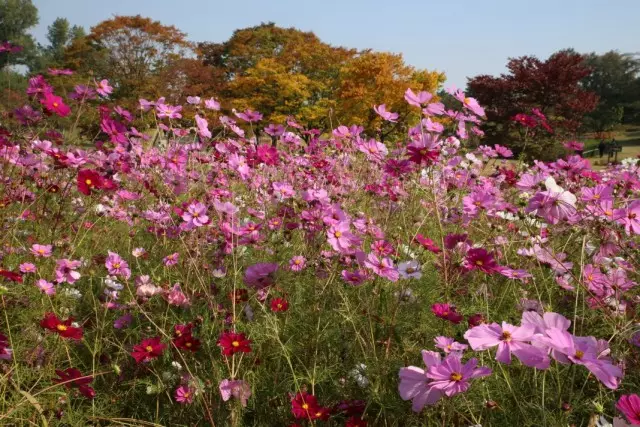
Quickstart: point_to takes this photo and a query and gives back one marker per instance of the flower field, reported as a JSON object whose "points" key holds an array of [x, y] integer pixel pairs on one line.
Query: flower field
{"points": [[216, 269]]}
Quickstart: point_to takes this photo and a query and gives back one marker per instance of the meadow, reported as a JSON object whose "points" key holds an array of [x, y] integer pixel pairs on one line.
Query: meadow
{"points": [[207, 276]]}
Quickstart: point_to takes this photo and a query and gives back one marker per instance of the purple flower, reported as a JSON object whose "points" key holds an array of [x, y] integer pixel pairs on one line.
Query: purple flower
{"points": [[260, 275], [452, 377], [237, 388]]}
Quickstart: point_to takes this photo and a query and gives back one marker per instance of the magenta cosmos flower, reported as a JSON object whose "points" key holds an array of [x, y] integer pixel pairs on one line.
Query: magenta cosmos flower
{"points": [[117, 266], [383, 267], [184, 394], [340, 238], [381, 110], [196, 215], [260, 275], [452, 377], [629, 405], [41, 250]]}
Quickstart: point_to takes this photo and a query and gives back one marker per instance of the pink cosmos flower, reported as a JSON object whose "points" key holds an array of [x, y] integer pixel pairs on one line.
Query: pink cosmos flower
{"points": [[27, 267], [46, 287], [283, 190], [555, 204], [354, 278], [469, 103], [203, 127], [340, 238], [449, 345], [417, 100], [43, 251], [171, 260], [176, 297], [211, 104], [585, 351], [184, 394], [66, 271], [452, 377], [416, 386], [117, 266], [193, 100], [509, 339], [381, 110], [168, 111], [480, 259], [239, 389], [382, 267], [196, 215], [249, 116], [629, 217], [103, 88], [297, 263]]}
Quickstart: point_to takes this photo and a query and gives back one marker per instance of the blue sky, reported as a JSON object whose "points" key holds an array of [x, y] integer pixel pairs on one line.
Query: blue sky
{"points": [[460, 37]]}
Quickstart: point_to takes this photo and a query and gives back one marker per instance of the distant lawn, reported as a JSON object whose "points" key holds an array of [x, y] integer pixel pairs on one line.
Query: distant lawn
{"points": [[627, 137]]}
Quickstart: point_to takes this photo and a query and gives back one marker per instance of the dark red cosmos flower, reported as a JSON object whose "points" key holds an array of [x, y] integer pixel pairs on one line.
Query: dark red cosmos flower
{"points": [[476, 320], [422, 155], [61, 327], [187, 342], [427, 243], [480, 259], [303, 405], [89, 180], [72, 377], [279, 304], [446, 312], [181, 330], [148, 349], [232, 343], [11, 275]]}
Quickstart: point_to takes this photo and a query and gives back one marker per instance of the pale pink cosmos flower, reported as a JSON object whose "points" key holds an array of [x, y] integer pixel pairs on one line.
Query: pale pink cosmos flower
{"points": [[176, 297], [417, 100], [46, 287], [555, 204], [138, 252], [449, 345], [381, 110], [203, 127], [283, 190], [382, 267], [416, 386], [239, 389], [41, 250], [27, 267], [170, 260], [509, 339], [212, 104], [196, 215], [297, 263], [117, 266], [629, 217], [193, 100], [104, 88], [340, 237]]}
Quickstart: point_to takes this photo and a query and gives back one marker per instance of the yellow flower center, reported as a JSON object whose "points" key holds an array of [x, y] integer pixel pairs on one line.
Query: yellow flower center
{"points": [[88, 182], [506, 336], [61, 327], [235, 344], [305, 406], [479, 262], [55, 104], [456, 376], [579, 354], [188, 345], [338, 234], [116, 265], [297, 262], [148, 349]]}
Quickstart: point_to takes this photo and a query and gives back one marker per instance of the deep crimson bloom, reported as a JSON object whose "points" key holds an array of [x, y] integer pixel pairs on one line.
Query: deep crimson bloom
{"points": [[475, 320], [480, 259], [54, 104], [232, 343], [148, 349], [422, 155], [11, 275], [279, 304], [428, 244], [72, 377], [446, 312], [180, 330], [304, 405], [187, 342], [355, 422], [61, 327], [89, 180]]}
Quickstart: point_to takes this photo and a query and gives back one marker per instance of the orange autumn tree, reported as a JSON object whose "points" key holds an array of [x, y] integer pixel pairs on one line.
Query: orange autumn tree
{"points": [[132, 52], [374, 78]]}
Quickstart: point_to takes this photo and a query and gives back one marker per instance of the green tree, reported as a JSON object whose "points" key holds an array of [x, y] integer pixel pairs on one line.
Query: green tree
{"points": [[16, 17], [614, 78]]}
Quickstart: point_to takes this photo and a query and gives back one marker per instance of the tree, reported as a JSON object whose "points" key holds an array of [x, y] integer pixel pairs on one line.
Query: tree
{"points": [[552, 86], [614, 78], [60, 34], [296, 62], [130, 51], [16, 17], [374, 78]]}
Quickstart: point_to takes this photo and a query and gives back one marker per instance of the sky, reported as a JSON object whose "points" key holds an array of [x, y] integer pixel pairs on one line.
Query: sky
{"points": [[462, 38]]}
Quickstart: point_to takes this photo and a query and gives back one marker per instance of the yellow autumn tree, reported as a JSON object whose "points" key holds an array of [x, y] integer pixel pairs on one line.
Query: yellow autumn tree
{"points": [[374, 78]]}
